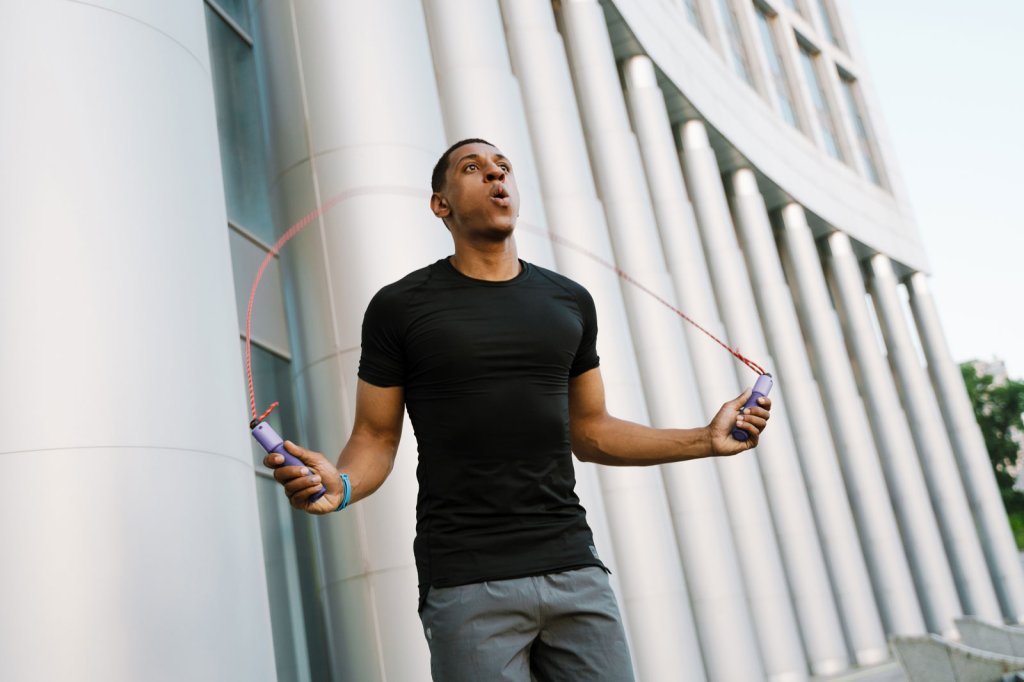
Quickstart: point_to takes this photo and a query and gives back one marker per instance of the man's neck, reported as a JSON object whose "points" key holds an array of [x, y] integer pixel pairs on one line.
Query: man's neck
{"points": [[494, 263]]}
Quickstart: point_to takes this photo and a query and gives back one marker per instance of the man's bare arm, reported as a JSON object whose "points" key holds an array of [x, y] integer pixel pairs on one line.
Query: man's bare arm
{"points": [[367, 457], [599, 437]]}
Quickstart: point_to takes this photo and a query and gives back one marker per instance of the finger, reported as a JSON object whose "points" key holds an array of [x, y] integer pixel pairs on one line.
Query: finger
{"points": [[750, 424], [753, 420], [756, 411], [302, 497], [751, 441], [303, 455], [295, 486], [765, 402], [284, 475], [741, 400], [273, 460]]}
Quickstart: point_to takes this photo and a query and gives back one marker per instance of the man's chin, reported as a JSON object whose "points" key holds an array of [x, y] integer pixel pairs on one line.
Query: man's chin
{"points": [[499, 231]]}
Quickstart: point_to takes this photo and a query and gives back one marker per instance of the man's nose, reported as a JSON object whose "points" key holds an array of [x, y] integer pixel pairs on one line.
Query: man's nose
{"points": [[495, 172]]}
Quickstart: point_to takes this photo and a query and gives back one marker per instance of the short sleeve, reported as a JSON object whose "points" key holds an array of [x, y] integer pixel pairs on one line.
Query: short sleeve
{"points": [[586, 357], [382, 362]]}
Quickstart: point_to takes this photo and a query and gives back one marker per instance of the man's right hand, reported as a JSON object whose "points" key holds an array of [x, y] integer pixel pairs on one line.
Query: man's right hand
{"points": [[302, 482]]}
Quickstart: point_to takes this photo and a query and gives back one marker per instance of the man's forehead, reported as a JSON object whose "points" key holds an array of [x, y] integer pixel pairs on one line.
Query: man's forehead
{"points": [[476, 150]]}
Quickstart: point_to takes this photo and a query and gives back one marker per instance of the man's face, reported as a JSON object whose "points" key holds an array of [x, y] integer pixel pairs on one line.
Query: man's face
{"points": [[480, 197]]}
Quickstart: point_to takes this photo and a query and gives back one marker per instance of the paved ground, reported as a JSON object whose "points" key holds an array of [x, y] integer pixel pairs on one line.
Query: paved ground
{"points": [[887, 672]]}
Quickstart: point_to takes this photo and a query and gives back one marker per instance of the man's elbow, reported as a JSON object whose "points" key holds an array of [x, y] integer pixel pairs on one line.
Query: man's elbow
{"points": [[582, 455], [584, 447]]}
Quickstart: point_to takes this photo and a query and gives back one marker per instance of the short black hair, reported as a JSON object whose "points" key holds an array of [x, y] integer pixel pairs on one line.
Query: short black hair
{"points": [[441, 167]]}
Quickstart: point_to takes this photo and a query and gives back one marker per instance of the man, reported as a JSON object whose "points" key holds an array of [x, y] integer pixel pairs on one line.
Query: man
{"points": [[496, 361]]}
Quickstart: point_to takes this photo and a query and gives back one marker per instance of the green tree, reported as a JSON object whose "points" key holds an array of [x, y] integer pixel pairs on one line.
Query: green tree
{"points": [[999, 409]]}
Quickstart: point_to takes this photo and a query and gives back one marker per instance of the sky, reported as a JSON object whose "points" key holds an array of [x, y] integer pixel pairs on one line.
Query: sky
{"points": [[949, 77]]}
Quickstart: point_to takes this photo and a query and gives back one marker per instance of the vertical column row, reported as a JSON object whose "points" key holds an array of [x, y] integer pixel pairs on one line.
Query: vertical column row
{"points": [[921, 538], [836, 528], [949, 503], [979, 482], [862, 472], [706, 541], [736, 307]]}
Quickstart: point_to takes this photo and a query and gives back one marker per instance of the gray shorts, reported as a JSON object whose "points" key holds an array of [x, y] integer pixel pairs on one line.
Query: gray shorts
{"points": [[547, 628]]}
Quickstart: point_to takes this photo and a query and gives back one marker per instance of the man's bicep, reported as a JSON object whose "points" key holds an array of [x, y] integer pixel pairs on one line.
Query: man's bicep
{"points": [[379, 411], [586, 396]]}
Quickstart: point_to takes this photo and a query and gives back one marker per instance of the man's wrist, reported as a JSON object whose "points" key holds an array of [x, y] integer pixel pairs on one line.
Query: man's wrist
{"points": [[346, 495], [708, 440]]}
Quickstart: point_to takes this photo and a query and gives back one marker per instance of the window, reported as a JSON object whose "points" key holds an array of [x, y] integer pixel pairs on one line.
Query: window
{"points": [[820, 100], [735, 36], [235, 10], [693, 14], [783, 88], [827, 24], [239, 123], [860, 125]]}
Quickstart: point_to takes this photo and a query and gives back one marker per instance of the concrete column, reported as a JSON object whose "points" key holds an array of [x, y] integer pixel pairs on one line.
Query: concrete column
{"points": [[836, 529], [921, 538], [949, 502], [376, 150], [128, 506], [862, 472], [480, 98], [702, 526], [975, 469], [744, 486], [654, 589], [812, 597]]}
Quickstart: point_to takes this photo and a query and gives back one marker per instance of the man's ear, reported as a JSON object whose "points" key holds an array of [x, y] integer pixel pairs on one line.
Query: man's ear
{"points": [[439, 205]]}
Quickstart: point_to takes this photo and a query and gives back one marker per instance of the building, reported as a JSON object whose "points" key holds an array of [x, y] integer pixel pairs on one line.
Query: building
{"points": [[729, 154]]}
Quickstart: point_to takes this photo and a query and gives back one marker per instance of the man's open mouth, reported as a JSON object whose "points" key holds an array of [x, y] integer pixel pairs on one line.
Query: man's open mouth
{"points": [[499, 195]]}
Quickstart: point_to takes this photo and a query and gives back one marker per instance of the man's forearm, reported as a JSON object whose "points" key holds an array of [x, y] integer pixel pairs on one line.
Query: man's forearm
{"points": [[616, 442], [367, 461]]}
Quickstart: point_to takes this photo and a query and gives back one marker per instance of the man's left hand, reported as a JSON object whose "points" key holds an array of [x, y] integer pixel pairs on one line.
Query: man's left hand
{"points": [[732, 415]]}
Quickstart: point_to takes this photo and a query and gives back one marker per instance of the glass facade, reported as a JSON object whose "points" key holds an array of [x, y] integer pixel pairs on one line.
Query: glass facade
{"points": [[289, 540], [289, 537], [735, 36], [864, 142], [783, 87], [820, 100], [239, 121]]}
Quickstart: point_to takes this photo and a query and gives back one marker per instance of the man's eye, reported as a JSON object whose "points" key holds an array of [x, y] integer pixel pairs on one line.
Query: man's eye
{"points": [[470, 166], [505, 167]]}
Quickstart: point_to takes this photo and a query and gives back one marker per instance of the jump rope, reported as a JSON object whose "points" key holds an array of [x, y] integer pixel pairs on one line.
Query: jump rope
{"points": [[270, 441]]}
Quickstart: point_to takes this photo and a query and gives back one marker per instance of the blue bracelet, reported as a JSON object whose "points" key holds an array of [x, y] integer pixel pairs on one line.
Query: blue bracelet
{"points": [[348, 493]]}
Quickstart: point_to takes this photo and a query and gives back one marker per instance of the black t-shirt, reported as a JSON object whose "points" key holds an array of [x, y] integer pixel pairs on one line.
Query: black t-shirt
{"points": [[485, 368]]}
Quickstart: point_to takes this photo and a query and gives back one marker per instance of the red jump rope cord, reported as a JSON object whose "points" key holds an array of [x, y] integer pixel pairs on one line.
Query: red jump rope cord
{"points": [[307, 219], [303, 222], [556, 239]]}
